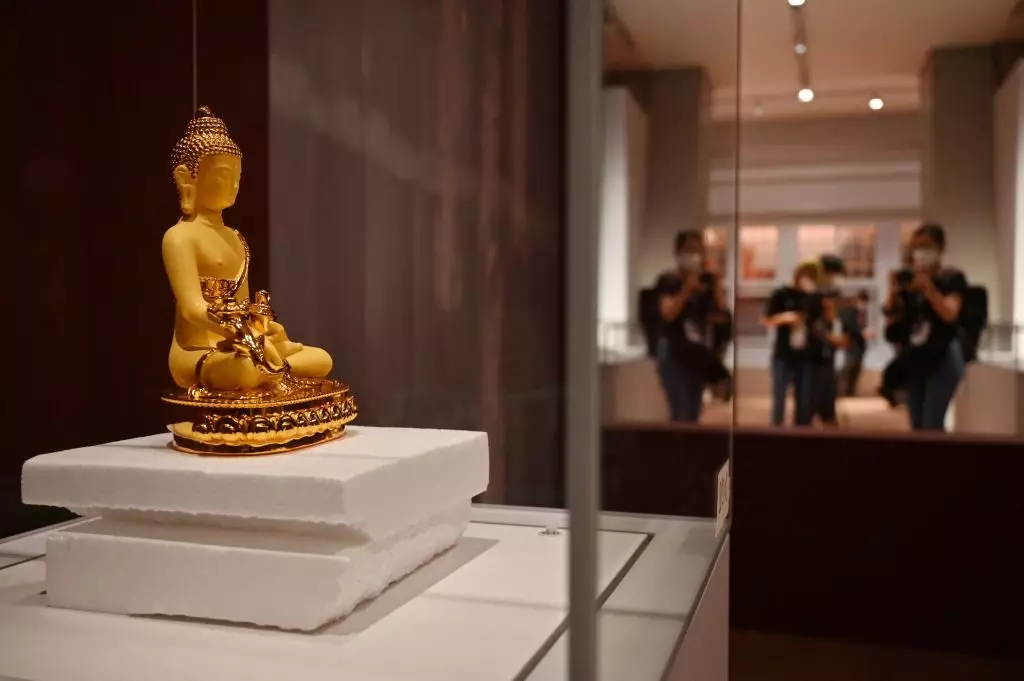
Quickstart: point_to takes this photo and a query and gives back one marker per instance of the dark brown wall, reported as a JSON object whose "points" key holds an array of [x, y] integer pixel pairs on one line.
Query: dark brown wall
{"points": [[231, 78], [435, 278], [97, 94], [416, 212]]}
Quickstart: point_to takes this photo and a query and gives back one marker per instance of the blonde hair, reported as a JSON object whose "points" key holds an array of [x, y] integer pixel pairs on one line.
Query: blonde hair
{"points": [[808, 268]]}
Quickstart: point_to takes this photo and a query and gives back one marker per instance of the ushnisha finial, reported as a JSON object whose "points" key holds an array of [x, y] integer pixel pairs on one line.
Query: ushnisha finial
{"points": [[205, 134]]}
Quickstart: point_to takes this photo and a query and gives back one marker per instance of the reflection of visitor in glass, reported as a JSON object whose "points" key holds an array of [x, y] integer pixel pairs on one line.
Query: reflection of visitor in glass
{"points": [[897, 330], [785, 313], [855, 320], [831, 267], [827, 334], [688, 302], [933, 355]]}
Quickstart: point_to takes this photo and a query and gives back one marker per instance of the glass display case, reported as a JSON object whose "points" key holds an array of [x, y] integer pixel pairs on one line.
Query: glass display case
{"points": [[401, 469]]}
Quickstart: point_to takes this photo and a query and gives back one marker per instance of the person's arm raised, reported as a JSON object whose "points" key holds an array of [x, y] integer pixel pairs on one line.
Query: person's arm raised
{"points": [[671, 304], [946, 306]]}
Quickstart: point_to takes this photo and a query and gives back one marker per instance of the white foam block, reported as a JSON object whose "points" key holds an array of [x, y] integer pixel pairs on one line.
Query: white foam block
{"points": [[373, 481], [449, 629], [285, 581]]}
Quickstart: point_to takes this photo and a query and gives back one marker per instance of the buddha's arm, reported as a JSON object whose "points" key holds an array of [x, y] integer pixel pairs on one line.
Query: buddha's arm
{"points": [[180, 262]]}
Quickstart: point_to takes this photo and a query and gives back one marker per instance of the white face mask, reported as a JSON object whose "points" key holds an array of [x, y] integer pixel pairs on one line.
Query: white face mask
{"points": [[925, 258], [690, 261], [807, 286]]}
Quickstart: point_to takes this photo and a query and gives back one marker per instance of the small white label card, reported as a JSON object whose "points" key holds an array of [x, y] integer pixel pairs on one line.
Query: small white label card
{"points": [[723, 497]]}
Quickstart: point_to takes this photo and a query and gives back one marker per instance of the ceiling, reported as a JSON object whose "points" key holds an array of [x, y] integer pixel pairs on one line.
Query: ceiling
{"points": [[855, 47]]}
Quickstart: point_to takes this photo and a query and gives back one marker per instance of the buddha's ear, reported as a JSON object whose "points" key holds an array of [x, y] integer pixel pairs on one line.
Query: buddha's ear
{"points": [[186, 189], [182, 177]]}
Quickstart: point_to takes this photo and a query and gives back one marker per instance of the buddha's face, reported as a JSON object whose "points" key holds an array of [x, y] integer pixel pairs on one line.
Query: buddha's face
{"points": [[214, 186], [217, 181]]}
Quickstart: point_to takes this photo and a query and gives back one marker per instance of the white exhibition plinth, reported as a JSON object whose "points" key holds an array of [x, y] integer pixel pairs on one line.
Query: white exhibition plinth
{"points": [[291, 540], [494, 605]]}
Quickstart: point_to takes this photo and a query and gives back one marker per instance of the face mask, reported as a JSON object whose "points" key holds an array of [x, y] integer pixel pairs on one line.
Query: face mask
{"points": [[807, 286], [925, 258], [690, 261]]}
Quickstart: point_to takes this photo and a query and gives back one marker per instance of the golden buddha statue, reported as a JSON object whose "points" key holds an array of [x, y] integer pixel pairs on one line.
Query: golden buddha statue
{"points": [[249, 388]]}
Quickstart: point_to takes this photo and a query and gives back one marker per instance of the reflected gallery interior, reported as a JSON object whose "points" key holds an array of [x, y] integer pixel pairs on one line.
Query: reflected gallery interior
{"points": [[854, 201]]}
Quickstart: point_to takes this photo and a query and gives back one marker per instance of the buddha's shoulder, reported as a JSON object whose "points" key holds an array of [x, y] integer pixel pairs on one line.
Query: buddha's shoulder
{"points": [[178, 238], [180, 234]]}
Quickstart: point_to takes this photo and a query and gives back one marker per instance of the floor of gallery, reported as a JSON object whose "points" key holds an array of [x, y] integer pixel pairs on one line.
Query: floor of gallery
{"points": [[860, 413], [771, 657]]}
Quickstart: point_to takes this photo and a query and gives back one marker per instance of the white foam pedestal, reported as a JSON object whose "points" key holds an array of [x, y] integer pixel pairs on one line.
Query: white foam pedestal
{"points": [[292, 541]]}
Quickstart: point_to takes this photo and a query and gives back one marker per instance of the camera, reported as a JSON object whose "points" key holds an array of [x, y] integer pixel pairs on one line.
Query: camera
{"points": [[904, 278]]}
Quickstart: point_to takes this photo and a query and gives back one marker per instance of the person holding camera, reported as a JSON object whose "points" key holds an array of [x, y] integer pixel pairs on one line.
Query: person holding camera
{"points": [[827, 333], [785, 312], [855, 320], [897, 332], [924, 313], [689, 302]]}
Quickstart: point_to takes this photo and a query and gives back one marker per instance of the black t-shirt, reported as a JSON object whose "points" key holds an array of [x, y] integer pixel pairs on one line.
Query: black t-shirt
{"points": [[819, 349], [692, 328], [855, 321], [930, 335], [787, 299]]}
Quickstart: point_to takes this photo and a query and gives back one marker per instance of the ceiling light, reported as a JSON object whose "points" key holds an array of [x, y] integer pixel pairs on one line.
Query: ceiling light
{"points": [[800, 48], [805, 95], [797, 3], [876, 103]]}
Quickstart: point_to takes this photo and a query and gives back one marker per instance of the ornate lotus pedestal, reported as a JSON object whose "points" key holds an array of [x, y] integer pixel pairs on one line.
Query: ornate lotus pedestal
{"points": [[290, 541], [295, 413]]}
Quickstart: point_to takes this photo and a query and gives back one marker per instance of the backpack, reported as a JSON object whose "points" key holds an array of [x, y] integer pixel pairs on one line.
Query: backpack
{"points": [[973, 320]]}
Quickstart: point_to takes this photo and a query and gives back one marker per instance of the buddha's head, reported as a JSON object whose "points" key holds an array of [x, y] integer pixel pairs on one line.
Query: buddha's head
{"points": [[207, 165]]}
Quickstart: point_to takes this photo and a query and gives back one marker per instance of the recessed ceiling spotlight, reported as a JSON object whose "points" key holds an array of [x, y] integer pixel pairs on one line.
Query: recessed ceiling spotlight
{"points": [[876, 103], [805, 95], [797, 3], [800, 48]]}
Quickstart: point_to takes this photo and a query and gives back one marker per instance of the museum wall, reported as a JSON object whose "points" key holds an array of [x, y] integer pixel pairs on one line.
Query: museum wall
{"points": [[834, 168], [958, 181], [98, 93], [677, 104], [416, 215], [1008, 109], [622, 210]]}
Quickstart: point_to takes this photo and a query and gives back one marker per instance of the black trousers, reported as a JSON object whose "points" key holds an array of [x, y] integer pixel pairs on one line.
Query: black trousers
{"points": [[821, 380], [849, 375]]}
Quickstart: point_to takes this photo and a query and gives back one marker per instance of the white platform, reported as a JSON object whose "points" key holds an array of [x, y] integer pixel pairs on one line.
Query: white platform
{"points": [[270, 579], [373, 481], [292, 541], [485, 610]]}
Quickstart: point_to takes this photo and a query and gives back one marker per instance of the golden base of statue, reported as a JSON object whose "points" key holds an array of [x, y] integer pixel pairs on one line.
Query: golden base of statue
{"points": [[294, 413]]}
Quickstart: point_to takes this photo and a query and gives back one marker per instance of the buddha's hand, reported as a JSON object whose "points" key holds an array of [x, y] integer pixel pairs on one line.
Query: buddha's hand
{"points": [[277, 335], [288, 348]]}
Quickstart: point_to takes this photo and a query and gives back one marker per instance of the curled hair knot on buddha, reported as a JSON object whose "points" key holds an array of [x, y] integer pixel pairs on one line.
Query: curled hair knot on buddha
{"points": [[205, 135]]}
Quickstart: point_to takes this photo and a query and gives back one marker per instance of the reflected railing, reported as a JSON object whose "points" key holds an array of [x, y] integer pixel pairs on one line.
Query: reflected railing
{"points": [[1001, 345], [620, 342]]}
